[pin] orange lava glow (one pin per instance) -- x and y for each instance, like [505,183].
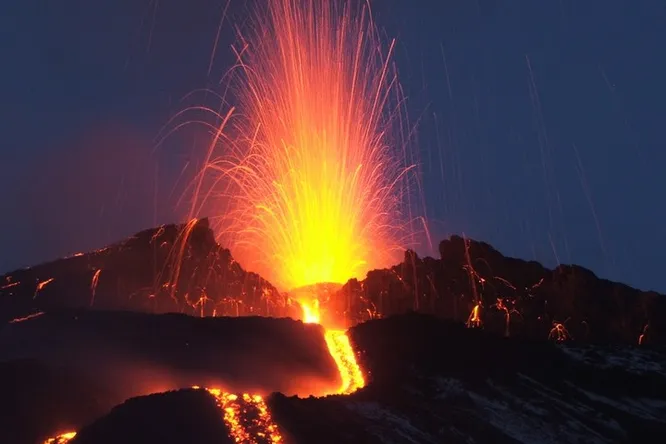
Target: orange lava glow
[311,314]
[474,319]
[61,439]
[313,174]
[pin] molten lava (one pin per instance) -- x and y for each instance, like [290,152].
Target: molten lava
[313,178]
[340,349]
[247,418]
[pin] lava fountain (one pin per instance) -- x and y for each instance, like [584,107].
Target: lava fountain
[313,177]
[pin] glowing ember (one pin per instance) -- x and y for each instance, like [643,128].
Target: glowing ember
[93,285]
[61,439]
[10,285]
[27,318]
[643,334]
[41,285]
[316,189]
[559,332]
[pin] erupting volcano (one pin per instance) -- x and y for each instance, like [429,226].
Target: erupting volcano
[312,186]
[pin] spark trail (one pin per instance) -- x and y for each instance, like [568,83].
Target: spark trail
[342,352]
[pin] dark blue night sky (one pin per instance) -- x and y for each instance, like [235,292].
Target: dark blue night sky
[546,116]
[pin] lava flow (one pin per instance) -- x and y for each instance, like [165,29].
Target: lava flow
[340,349]
[343,354]
[247,417]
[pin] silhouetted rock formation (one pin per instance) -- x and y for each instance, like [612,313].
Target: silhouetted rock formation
[173,268]
[515,297]
[185,416]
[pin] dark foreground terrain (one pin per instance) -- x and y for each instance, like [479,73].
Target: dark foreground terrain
[430,381]
[63,369]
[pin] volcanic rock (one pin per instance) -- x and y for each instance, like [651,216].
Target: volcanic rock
[172,268]
[514,297]
[176,417]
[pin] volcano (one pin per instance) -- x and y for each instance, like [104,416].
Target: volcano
[473,346]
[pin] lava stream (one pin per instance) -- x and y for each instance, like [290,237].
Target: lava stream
[340,349]
[247,418]
[342,352]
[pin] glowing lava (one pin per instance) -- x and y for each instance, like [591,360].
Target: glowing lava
[247,417]
[340,349]
[313,177]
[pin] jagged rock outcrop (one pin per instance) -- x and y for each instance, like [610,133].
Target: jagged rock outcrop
[514,297]
[172,268]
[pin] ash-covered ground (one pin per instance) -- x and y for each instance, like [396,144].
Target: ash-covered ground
[553,355]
